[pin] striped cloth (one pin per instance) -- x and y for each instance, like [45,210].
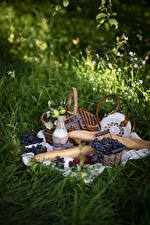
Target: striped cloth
[133,154]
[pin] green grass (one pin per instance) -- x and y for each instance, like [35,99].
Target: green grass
[40,194]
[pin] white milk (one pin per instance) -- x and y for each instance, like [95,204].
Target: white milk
[60,135]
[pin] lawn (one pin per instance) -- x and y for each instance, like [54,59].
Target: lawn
[42,57]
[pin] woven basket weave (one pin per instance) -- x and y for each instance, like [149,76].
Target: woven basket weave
[112,160]
[70,114]
[47,132]
[87,120]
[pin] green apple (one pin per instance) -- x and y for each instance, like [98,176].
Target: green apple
[55,113]
[62,110]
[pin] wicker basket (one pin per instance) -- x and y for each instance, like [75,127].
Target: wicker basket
[47,132]
[112,160]
[117,123]
[69,116]
[75,119]
[89,120]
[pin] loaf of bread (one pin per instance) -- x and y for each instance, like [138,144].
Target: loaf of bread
[89,136]
[71,152]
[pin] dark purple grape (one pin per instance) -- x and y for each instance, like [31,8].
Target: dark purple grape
[105,147]
[95,158]
[36,149]
[59,162]
[30,138]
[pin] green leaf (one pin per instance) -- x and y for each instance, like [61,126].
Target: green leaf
[114,22]
[49,125]
[114,14]
[101,15]
[12,74]
[139,36]
[101,22]
[58,7]
[34,167]
[10,125]
[103,2]
[48,114]
[107,26]
[65,3]
[49,104]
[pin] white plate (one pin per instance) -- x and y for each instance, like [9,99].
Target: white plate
[112,123]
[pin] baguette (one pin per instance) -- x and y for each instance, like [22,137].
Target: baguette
[89,136]
[109,160]
[71,152]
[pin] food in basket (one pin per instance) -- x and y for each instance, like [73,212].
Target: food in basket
[55,113]
[62,110]
[76,119]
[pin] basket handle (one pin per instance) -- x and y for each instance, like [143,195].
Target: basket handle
[124,123]
[103,99]
[73,92]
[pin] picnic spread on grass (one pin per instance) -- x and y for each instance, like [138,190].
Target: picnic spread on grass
[77,141]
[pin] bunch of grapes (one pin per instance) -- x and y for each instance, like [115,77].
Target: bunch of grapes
[96,158]
[59,162]
[105,147]
[36,149]
[29,138]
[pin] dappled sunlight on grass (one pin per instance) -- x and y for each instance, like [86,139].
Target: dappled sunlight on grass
[42,57]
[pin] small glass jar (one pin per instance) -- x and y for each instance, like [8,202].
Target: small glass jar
[60,134]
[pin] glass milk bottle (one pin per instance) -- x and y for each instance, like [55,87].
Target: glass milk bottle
[60,135]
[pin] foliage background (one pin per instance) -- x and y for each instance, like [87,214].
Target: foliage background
[46,49]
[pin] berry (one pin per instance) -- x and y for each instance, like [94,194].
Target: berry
[59,162]
[76,160]
[72,164]
[55,113]
[36,149]
[29,138]
[62,110]
[87,159]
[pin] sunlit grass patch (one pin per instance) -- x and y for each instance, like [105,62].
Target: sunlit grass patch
[41,62]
